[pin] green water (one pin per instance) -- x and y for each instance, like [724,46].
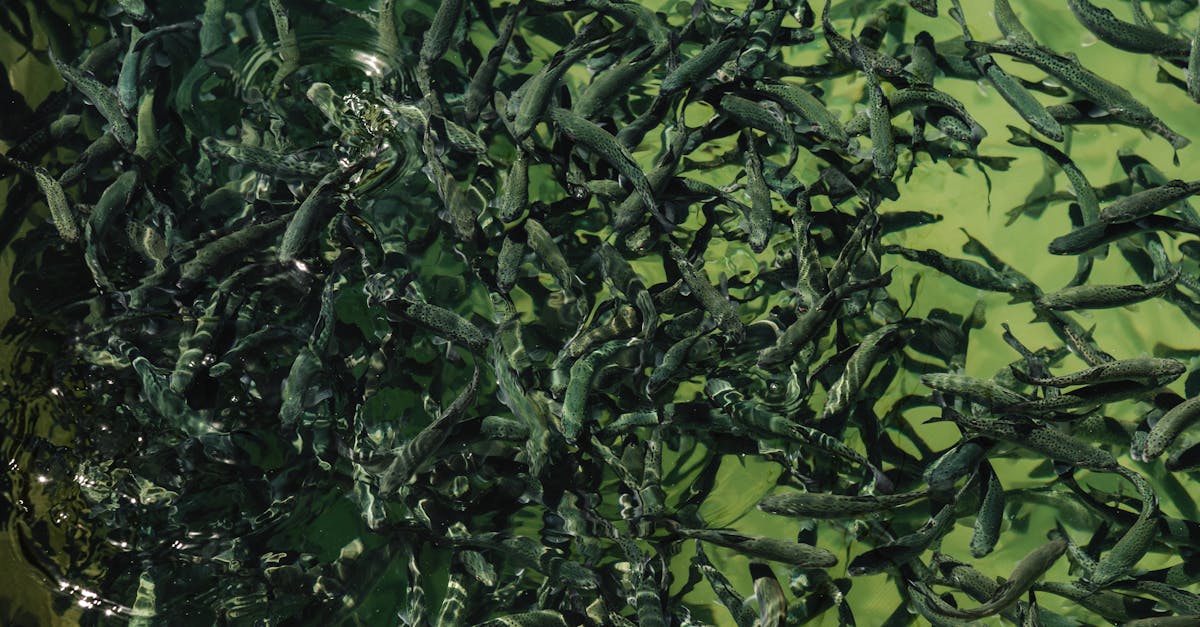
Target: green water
[284,522]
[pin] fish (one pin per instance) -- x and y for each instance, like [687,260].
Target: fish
[772,604]
[879,116]
[1106,296]
[408,459]
[289,47]
[981,391]
[266,161]
[1154,368]
[761,218]
[1135,542]
[1167,428]
[986,529]
[848,387]
[1085,194]
[1090,236]
[834,506]
[1111,97]
[723,312]
[1009,88]
[536,618]
[60,210]
[906,548]
[1036,437]
[965,271]
[1024,575]
[1193,67]
[628,284]
[743,615]
[480,89]
[1148,201]
[589,135]
[315,206]
[814,321]
[445,323]
[213,36]
[770,549]
[1125,36]
[574,408]
[801,102]
[617,79]
[697,67]
[527,106]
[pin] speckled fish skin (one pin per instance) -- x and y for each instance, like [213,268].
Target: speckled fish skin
[589,135]
[798,100]
[1149,201]
[965,271]
[1115,99]
[542,244]
[834,506]
[1133,545]
[1041,438]
[1088,396]
[1126,36]
[1106,296]
[698,67]
[56,200]
[986,529]
[1168,427]
[1090,236]
[417,451]
[719,307]
[771,549]
[574,409]
[445,323]
[872,61]
[101,97]
[1009,88]
[528,105]
[537,618]
[982,391]
[761,219]
[1024,575]
[1160,369]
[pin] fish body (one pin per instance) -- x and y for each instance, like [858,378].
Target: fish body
[719,307]
[1115,99]
[1041,438]
[1106,296]
[833,506]
[981,391]
[1161,370]
[698,67]
[589,135]
[417,451]
[1125,36]
[1024,575]
[783,551]
[1148,201]
[1169,426]
[798,100]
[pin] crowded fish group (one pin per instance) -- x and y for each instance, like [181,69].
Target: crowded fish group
[470,313]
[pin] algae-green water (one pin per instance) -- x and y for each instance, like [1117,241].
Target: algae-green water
[374,322]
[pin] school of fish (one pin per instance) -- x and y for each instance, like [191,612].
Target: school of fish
[469,313]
